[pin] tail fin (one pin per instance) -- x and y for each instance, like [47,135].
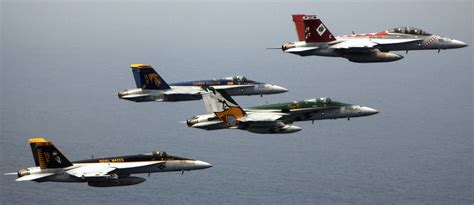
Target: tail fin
[314,29]
[223,106]
[147,78]
[46,155]
[298,19]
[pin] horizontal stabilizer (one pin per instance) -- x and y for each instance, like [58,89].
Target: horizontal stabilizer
[206,124]
[209,125]
[33,177]
[300,49]
[135,96]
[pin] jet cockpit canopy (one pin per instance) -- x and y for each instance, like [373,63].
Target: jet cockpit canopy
[239,78]
[157,154]
[321,100]
[409,30]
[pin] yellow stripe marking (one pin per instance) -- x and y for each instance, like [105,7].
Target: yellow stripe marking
[41,159]
[36,140]
[140,66]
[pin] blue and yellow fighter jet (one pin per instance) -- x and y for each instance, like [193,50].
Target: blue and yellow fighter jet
[151,87]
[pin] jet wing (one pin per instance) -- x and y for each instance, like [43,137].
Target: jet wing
[381,41]
[106,170]
[128,165]
[98,174]
[184,90]
[300,49]
[304,113]
[262,117]
[194,90]
[33,177]
[369,43]
[224,87]
[182,93]
[355,43]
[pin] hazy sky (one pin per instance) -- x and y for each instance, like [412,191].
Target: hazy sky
[63,62]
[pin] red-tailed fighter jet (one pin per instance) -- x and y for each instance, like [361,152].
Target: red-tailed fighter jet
[315,39]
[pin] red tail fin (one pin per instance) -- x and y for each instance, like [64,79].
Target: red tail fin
[298,19]
[315,30]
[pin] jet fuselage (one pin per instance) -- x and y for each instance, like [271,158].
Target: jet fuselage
[306,110]
[143,95]
[328,109]
[316,39]
[101,172]
[152,87]
[431,42]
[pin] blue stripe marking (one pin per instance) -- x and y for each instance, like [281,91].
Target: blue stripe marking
[212,82]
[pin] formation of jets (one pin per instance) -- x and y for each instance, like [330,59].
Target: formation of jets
[224,113]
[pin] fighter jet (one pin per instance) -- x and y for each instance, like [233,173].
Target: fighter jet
[151,87]
[225,113]
[315,39]
[52,166]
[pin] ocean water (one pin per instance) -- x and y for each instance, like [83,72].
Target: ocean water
[64,62]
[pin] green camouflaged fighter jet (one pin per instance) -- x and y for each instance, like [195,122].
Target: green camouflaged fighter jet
[225,113]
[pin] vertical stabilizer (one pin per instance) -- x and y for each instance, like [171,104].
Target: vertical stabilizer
[299,25]
[223,106]
[46,155]
[315,31]
[147,78]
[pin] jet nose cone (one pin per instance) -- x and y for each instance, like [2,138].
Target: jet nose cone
[120,95]
[278,89]
[202,165]
[458,44]
[369,111]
